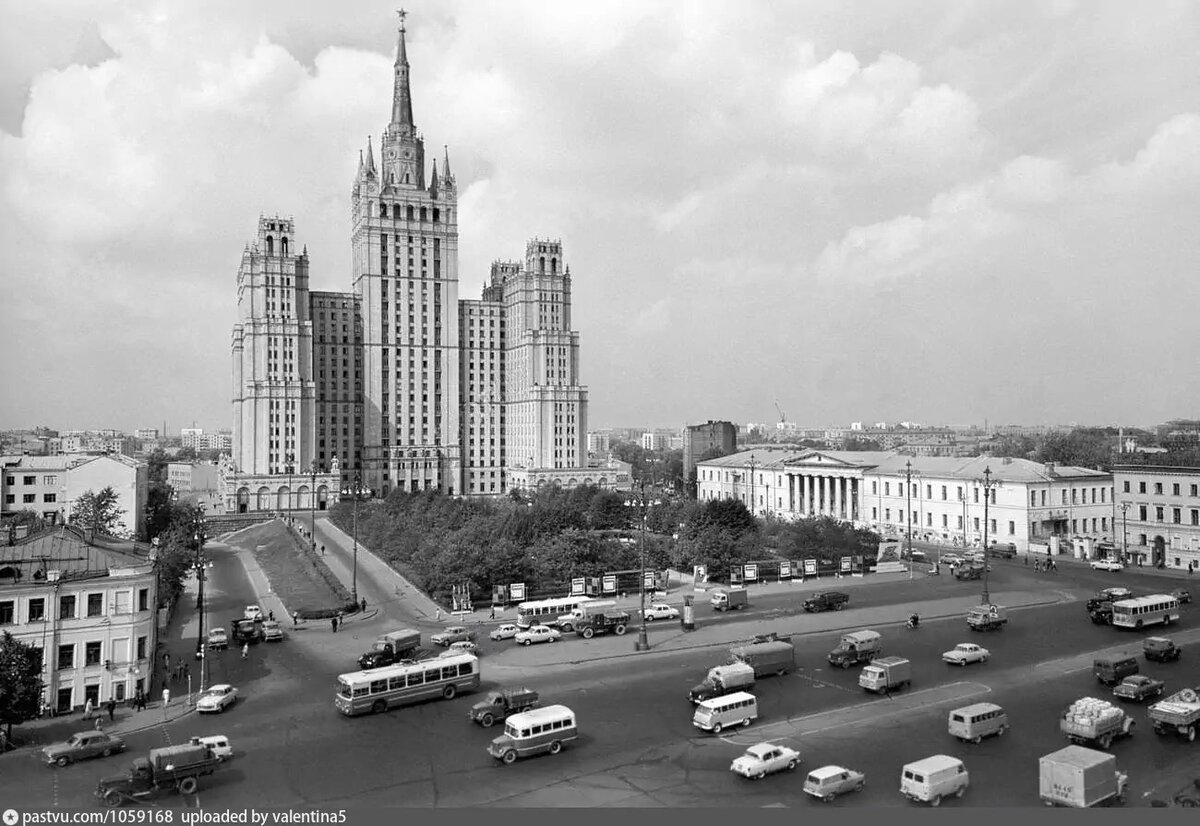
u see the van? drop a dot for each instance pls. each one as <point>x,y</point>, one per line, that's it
<point>931,779</point>
<point>731,600</point>
<point>774,656</point>
<point>218,743</point>
<point>977,721</point>
<point>723,679</point>
<point>1111,670</point>
<point>534,732</point>
<point>737,709</point>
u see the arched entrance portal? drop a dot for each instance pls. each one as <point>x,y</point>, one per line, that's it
<point>1158,555</point>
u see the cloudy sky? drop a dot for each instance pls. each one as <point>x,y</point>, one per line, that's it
<point>945,212</point>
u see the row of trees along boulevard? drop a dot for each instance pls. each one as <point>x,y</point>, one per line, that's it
<point>549,537</point>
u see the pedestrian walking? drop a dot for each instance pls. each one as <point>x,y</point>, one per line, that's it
<point>139,700</point>
<point>492,615</point>
<point>271,616</point>
<point>333,624</point>
<point>112,709</point>
<point>87,709</point>
<point>1027,560</point>
<point>322,550</point>
<point>167,661</point>
<point>166,698</point>
<point>99,724</point>
<point>295,620</point>
<point>245,650</point>
<point>363,605</point>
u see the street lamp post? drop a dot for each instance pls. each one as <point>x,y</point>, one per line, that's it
<point>908,512</point>
<point>1125,532</point>
<point>201,566</point>
<point>312,507</point>
<point>643,642</point>
<point>988,484</point>
<point>354,569</point>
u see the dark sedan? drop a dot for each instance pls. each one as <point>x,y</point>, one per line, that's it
<point>1138,687</point>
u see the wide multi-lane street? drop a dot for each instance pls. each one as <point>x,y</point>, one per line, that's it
<point>637,745</point>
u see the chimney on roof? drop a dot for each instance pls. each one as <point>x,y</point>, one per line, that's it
<point>1050,469</point>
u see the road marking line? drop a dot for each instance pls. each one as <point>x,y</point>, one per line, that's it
<point>906,705</point>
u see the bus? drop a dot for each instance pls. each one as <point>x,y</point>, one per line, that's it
<point>379,689</point>
<point>546,611</point>
<point>1142,611</point>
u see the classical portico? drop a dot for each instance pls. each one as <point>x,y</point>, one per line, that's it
<point>825,484</point>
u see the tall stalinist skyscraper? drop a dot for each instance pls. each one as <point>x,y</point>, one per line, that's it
<point>405,259</point>
<point>400,381</point>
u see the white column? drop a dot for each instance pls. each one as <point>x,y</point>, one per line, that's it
<point>824,501</point>
<point>837,496</point>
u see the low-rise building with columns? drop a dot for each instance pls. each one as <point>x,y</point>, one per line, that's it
<point>1029,503</point>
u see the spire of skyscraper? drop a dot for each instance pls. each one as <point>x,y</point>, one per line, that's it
<point>401,97</point>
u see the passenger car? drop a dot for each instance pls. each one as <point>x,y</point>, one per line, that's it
<point>828,782</point>
<point>538,633</point>
<point>1138,687</point>
<point>504,632</point>
<point>966,652</point>
<point>217,638</point>
<point>1106,565</point>
<point>1003,550</point>
<point>219,744</point>
<point>1182,594</point>
<point>252,612</point>
<point>272,631</point>
<point>764,759</point>
<point>82,745</point>
<point>455,633</point>
<point>950,559</point>
<point>660,610</point>
<point>461,647</point>
<point>1114,594</point>
<point>217,699</point>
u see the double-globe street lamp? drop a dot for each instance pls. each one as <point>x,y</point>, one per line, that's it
<point>354,569</point>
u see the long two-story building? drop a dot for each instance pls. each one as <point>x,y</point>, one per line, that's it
<point>940,499</point>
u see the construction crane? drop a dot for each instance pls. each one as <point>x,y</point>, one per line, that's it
<point>782,415</point>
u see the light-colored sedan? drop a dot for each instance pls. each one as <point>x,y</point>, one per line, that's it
<point>950,559</point>
<point>764,759</point>
<point>461,647</point>
<point>1106,565</point>
<point>828,782</point>
<point>538,633</point>
<point>253,612</point>
<point>272,631</point>
<point>661,610</point>
<point>217,699</point>
<point>966,652</point>
<point>504,632</point>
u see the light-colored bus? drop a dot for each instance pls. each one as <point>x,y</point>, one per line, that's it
<point>534,732</point>
<point>1142,611</point>
<point>379,689</point>
<point>546,611</point>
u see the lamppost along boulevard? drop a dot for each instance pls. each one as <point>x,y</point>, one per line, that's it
<point>636,500</point>
<point>988,484</point>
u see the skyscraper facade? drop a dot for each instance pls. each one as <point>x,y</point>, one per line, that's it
<point>407,385</point>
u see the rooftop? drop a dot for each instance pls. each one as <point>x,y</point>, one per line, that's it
<point>65,548</point>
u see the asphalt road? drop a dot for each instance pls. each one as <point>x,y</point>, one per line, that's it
<point>637,745</point>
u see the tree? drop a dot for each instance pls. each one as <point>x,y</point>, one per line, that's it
<point>20,682</point>
<point>158,510</point>
<point>1090,447</point>
<point>177,551</point>
<point>156,462</point>
<point>99,512</point>
<point>31,518</point>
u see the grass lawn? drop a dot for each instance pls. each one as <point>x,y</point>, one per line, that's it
<point>297,578</point>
